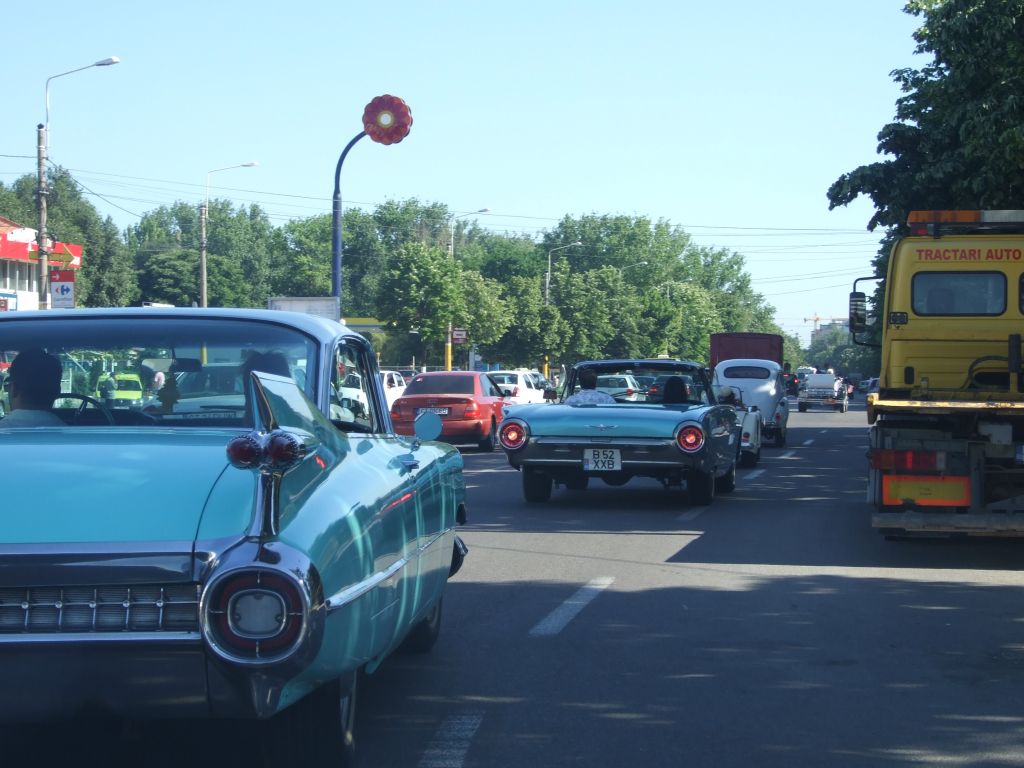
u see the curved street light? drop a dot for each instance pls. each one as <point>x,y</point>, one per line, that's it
<point>42,130</point>
<point>628,266</point>
<point>547,276</point>
<point>204,214</point>
<point>451,228</point>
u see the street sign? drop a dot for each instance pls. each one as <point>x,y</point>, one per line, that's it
<point>459,335</point>
<point>62,295</point>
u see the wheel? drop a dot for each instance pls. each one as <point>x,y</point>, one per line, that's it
<point>489,443</point>
<point>317,730</point>
<point>701,487</point>
<point>421,638</point>
<point>536,486</point>
<point>727,482</point>
<point>780,437</point>
<point>748,459</point>
<point>86,400</point>
<point>802,407</point>
<point>577,482</point>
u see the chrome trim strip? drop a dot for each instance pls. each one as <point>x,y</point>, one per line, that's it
<point>587,442</point>
<point>357,590</point>
<point>57,638</point>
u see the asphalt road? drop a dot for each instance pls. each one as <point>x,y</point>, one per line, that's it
<point>625,626</point>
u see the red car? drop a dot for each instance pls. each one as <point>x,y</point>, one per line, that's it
<point>469,404</point>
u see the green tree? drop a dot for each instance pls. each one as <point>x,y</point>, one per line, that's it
<point>957,140</point>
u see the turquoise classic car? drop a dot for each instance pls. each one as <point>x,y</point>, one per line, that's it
<point>245,554</point>
<point>675,432</point>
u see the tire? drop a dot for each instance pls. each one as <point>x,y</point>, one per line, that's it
<point>317,730</point>
<point>577,482</point>
<point>536,486</point>
<point>780,437</point>
<point>748,459</point>
<point>423,636</point>
<point>701,487</point>
<point>489,443</point>
<point>802,407</point>
<point>615,479</point>
<point>727,482</point>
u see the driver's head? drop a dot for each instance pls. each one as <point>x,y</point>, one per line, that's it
<point>588,378</point>
<point>35,380</point>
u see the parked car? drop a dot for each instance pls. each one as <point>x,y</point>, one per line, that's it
<point>676,442</point>
<point>763,384</point>
<point>469,403</point>
<point>233,561</point>
<point>519,387</point>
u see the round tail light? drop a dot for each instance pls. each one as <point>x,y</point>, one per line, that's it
<point>245,451</point>
<point>690,438</point>
<point>513,435</point>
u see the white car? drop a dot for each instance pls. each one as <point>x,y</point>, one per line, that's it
<point>622,387</point>
<point>394,386</point>
<point>748,418</point>
<point>519,387</point>
<point>762,385</point>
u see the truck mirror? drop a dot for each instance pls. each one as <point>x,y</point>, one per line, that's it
<point>858,312</point>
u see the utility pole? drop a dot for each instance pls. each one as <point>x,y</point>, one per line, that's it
<point>41,195</point>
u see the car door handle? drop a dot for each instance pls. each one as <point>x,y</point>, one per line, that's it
<point>411,463</point>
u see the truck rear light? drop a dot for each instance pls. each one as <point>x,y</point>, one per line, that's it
<point>907,461</point>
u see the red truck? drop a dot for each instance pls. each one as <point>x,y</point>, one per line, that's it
<point>759,346</point>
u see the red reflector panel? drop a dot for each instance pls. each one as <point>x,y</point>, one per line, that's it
<point>907,461</point>
<point>930,491</point>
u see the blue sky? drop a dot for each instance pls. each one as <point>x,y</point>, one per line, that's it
<point>728,119</point>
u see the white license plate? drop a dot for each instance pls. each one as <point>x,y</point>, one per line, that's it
<point>602,459</point>
<point>440,411</point>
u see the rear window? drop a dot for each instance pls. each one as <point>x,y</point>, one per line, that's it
<point>505,378</point>
<point>746,372</point>
<point>958,293</point>
<point>440,385</point>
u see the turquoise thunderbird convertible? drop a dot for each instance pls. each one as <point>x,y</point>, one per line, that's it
<point>620,419</point>
<point>242,543</point>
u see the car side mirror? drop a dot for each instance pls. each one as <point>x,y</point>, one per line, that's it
<point>550,393</point>
<point>858,312</point>
<point>427,426</point>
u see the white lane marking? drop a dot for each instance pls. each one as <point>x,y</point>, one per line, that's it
<point>451,741</point>
<point>688,516</point>
<point>753,473</point>
<point>808,442</point>
<point>557,620</point>
<point>788,455</point>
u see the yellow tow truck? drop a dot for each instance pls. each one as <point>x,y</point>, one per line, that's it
<point>947,423</point>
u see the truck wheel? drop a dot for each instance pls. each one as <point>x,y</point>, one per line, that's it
<point>748,459</point>
<point>701,487</point>
<point>780,437</point>
<point>536,486</point>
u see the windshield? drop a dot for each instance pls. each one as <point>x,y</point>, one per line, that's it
<point>635,382</point>
<point>190,371</point>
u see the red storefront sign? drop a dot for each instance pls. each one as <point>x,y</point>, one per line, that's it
<point>17,245</point>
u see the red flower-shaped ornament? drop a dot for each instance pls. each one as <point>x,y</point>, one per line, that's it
<point>387,119</point>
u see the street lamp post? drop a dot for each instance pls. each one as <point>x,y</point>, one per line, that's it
<point>41,192</point>
<point>204,214</point>
<point>547,275</point>
<point>628,266</point>
<point>451,228</point>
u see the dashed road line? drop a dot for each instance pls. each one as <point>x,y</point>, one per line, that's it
<point>451,742</point>
<point>788,455</point>
<point>690,515</point>
<point>807,442</point>
<point>557,620</point>
<point>753,473</point>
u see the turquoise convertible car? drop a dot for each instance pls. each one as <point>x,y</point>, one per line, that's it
<point>246,553</point>
<point>675,432</point>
